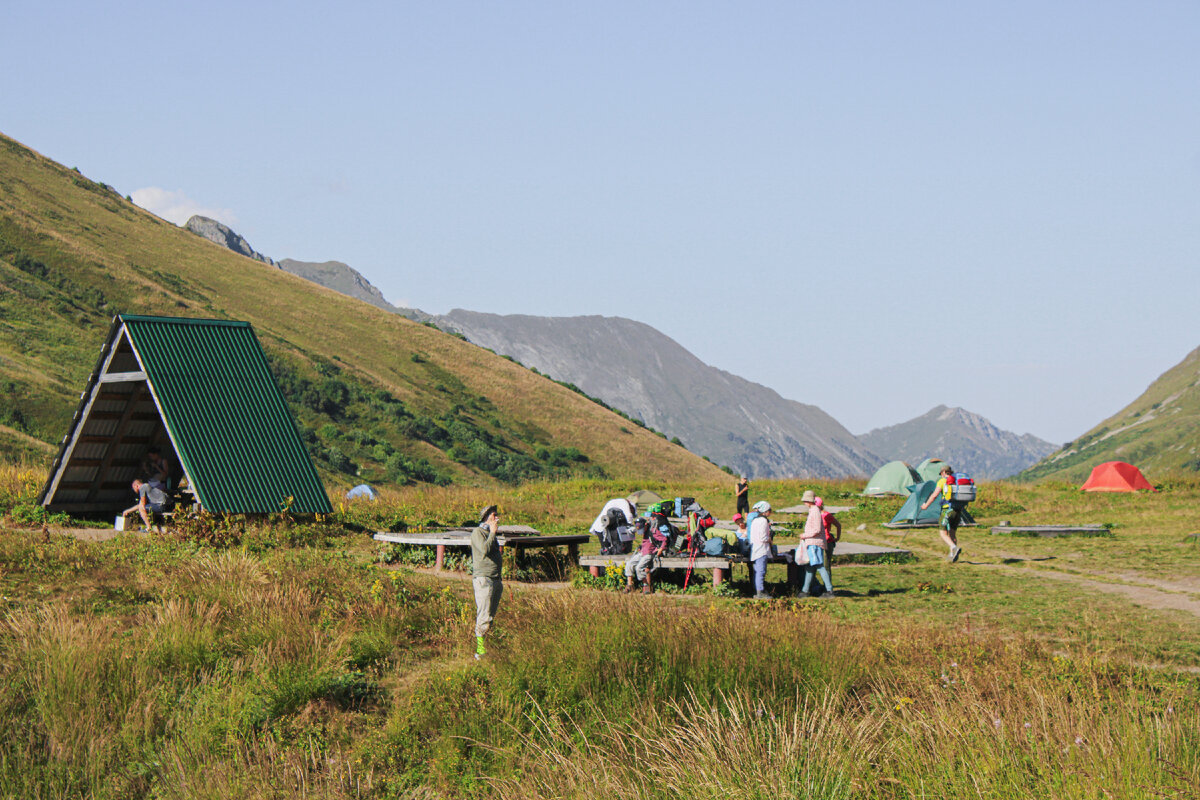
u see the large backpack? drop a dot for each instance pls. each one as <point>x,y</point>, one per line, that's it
<point>666,508</point>
<point>615,539</point>
<point>960,490</point>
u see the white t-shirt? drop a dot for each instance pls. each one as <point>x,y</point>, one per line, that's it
<point>760,538</point>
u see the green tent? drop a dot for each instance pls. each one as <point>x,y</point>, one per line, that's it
<point>893,477</point>
<point>643,499</point>
<point>931,469</point>
<point>911,512</point>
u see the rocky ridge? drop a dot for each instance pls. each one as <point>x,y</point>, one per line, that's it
<point>967,441</point>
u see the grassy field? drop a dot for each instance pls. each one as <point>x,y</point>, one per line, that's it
<point>290,662</point>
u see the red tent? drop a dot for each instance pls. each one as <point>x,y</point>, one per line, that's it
<point>1116,476</point>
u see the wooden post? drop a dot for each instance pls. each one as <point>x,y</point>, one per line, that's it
<point>595,571</point>
<point>441,556</point>
<point>573,552</point>
<point>718,576</point>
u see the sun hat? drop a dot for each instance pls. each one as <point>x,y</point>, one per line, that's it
<point>762,507</point>
<point>487,512</point>
<point>738,518</point>
<point>809,496</point>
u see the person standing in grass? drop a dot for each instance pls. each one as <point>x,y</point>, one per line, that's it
<point>951,514</point>
<point>742,495</point>
<point>760,548</point>
<point>485,571</point>
<point>813,543</point>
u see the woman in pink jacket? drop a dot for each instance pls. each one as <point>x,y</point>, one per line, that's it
<point>812,544</point>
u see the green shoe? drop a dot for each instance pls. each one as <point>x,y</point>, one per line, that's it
<point>480,650</point>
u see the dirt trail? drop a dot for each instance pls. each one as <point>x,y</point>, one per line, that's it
<point>1145,592</point>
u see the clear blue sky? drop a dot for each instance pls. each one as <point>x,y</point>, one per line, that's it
<point>815,196</point>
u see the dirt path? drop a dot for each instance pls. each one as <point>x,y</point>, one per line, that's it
<point>1145,592</point>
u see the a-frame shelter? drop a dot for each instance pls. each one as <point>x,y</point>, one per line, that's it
<point>202,392</point>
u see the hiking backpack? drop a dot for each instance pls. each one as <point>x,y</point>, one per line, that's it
<point>961,490</point>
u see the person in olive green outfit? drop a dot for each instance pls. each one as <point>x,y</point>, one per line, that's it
<point>485,569</point>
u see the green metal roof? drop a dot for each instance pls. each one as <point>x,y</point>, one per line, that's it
<point>232,429</point>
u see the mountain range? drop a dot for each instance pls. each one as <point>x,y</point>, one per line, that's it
<point>966,441</point>
<point>637,369</point>
<point>645,373</point>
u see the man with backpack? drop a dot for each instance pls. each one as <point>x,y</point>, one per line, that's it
<point>614,526</point>
<point>951,510</point>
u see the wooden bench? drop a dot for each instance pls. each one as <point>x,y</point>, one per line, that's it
<point>515,536</point>
<point>721,566</point>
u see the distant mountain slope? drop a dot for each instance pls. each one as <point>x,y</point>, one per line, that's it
<point>1159,432</point>
<point>339,277</point>
<point>967,441</point>
<point>378,397</point>
<point>633,367</point>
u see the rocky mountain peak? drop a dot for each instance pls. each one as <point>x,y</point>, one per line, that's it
<point>219,233</point>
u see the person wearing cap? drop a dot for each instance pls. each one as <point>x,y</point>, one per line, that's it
<point>951,514</point>
<point>742,544</point>
<point>760,548</point>
<point>485,572</point>
<point>812,543</point>
<point>656,534</point>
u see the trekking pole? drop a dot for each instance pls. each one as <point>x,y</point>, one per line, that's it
<point>691,561</point>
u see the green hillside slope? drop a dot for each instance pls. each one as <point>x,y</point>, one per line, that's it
<point>1159,432</point>
<point>378,397</point>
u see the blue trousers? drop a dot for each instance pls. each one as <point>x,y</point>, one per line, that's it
<point>760,574</point>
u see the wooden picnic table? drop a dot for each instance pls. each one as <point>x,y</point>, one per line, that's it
<point>516,536</point>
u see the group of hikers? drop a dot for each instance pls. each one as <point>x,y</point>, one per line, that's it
<point>619,527</point>
<point>648,537</point>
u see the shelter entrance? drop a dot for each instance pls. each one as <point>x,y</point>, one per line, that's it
<point>116,427</point>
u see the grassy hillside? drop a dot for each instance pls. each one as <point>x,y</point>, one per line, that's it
<point>378,397</point>
<point>1159,433</point>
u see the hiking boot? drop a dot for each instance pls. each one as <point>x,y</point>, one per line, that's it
<point>627,590</point>
<point>647,590</point>
<point>955,552</point>
<point>762,596</point>
<point>827,596</point>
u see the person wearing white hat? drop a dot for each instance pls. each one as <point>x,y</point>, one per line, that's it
<point>813,543</point>
<point>760,547</point>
